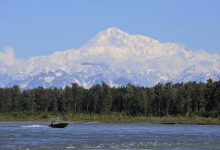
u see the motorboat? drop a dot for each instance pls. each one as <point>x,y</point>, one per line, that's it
<point>57,123</point>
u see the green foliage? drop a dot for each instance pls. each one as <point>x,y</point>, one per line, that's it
<point>107,117</point>
<point>180,99</point>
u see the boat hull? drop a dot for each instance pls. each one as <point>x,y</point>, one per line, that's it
<point>58,125</point>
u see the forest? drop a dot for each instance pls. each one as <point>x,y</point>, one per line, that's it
<point>179,99</point>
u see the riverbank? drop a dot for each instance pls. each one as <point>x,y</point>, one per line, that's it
<point>108,118</point>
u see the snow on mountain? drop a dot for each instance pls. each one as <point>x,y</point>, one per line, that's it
<point>200,71</point>
<point>119,46</point>
<point>112,56</point>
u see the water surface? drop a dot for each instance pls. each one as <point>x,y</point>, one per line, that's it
<point>37,135</point>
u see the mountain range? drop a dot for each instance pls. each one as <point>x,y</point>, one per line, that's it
<point>112,56</point>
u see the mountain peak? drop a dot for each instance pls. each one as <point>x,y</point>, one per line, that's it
<point>109,37</point>
<point>113,30</point>
<point>115,42</point>
<point>112,33</point>
<point>115,57</point>
<point>115,37</point>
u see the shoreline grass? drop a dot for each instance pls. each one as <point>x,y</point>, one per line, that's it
<point>108,118</point>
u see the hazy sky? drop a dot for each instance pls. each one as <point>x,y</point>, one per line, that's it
<point>40,27</point>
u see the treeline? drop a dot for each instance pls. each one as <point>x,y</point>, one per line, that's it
<point>180,99</point>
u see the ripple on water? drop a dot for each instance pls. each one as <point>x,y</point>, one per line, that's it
<point>70,147</point>
<point>34,126</point>
<point>37,135</point>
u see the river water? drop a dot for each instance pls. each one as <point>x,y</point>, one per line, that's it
<point>37,135</point>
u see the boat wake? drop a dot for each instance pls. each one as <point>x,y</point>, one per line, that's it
<point>70,147</point>
<point>33,126</point>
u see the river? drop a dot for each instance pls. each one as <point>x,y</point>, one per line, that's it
<point>37,135</point>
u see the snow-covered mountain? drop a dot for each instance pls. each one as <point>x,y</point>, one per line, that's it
<point>112,56</point>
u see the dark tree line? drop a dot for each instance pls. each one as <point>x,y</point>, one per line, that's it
<point>183,99</point>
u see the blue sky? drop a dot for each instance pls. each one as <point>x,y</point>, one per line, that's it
<point>40,27</point>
